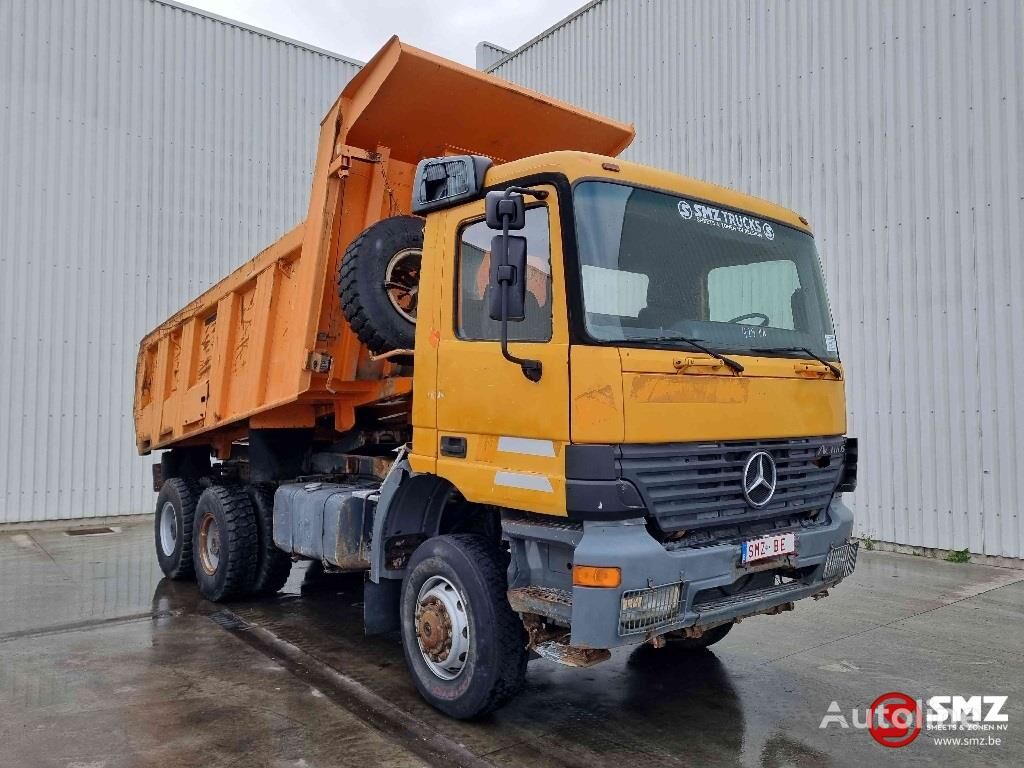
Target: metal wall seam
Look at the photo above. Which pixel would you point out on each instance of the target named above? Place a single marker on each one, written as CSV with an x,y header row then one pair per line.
x,y
148,149
896,128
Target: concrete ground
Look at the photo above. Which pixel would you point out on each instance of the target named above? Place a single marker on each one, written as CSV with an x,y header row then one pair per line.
x,y
103,664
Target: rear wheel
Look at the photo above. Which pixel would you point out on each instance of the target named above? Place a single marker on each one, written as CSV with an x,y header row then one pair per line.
x,y
172,527
272,565
711,636
463,643
224,543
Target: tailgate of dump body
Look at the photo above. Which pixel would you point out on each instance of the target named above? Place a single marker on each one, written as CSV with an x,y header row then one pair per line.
x,y
253,347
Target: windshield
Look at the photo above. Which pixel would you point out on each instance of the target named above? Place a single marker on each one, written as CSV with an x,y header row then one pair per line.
x,y
657,266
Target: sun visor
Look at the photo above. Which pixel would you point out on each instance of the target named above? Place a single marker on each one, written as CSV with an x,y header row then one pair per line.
x,y
420,105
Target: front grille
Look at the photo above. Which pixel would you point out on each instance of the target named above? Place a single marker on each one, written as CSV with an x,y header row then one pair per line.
x,y
643,609
841,561
698,485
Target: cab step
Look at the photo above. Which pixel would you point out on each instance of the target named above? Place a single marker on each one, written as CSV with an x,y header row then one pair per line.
x,y
571,656
549,602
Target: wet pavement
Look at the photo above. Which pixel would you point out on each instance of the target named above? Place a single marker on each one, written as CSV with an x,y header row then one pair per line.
x,y
104,664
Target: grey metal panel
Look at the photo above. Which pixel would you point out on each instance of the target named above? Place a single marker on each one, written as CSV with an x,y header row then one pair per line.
x,y
896,128
348,525
326,521
146,150
487,54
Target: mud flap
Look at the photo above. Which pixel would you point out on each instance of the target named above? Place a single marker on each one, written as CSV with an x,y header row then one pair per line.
x,y
381,606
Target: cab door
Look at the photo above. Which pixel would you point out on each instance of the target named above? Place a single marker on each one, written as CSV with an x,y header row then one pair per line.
x,y
501,436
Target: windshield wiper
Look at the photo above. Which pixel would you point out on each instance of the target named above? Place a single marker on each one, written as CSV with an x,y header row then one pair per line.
x,y
835,371
696,344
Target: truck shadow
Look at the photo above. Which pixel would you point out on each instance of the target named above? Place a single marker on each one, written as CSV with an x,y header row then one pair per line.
x,y
662,704
659,706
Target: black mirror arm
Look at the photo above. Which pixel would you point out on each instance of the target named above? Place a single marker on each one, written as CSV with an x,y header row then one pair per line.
x,y
532,369
540,194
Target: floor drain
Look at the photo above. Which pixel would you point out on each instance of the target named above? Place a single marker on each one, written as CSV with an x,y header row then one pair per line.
x,y
228,620
104,531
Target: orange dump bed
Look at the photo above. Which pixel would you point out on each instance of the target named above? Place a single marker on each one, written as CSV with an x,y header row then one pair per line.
x,y
268,346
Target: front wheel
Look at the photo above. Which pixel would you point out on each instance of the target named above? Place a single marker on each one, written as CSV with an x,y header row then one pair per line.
x,y
463,643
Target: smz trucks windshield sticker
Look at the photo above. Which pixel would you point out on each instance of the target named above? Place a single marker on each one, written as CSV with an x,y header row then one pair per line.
x,y
716,217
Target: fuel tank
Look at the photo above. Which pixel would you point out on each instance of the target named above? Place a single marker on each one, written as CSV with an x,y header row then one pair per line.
x,y
330,522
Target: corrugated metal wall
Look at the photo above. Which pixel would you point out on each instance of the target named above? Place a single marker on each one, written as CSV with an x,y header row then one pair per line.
x,y
897,128
145,151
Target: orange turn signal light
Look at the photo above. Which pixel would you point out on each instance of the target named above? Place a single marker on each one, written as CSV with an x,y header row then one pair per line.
x,y
596,576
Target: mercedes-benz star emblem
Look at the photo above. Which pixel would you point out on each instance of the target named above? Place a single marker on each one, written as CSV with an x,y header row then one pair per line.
x,y
759,479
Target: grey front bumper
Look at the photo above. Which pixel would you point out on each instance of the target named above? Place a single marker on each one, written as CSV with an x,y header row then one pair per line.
x,y
647,565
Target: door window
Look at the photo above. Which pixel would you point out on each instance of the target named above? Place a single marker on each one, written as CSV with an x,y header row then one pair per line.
x,y
472,320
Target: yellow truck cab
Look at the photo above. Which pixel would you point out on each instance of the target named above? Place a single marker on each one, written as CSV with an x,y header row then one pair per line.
x,y
554,403
675,462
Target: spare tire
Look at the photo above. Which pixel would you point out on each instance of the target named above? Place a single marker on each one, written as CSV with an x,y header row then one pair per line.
x,y
378,282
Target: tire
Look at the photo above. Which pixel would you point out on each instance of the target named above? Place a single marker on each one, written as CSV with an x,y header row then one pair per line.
x,y
272,565
224,543
710,637
172,527
395,243
494,667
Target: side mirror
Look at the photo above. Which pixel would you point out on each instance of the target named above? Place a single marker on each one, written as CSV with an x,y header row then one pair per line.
x,y
499,204
506,292
513,274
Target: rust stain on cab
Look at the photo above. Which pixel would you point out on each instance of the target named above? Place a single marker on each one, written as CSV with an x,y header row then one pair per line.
x,y
596,405
697,389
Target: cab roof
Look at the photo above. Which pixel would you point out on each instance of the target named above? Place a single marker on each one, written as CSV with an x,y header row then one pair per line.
x,y
584,165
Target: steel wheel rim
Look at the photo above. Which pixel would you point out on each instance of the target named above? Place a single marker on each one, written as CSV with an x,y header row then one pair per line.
x,y
402,282
442,628
168,529
209,544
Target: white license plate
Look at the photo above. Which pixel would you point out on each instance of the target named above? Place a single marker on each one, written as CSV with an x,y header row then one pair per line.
x,y
769,546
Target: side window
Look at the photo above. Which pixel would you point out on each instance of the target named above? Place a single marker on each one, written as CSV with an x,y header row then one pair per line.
x,y
762,287
472,320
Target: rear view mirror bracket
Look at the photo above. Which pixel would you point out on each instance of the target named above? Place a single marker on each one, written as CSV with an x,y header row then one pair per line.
x,y
507,210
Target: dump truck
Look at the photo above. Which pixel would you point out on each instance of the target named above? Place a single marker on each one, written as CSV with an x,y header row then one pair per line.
x,y
551,402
